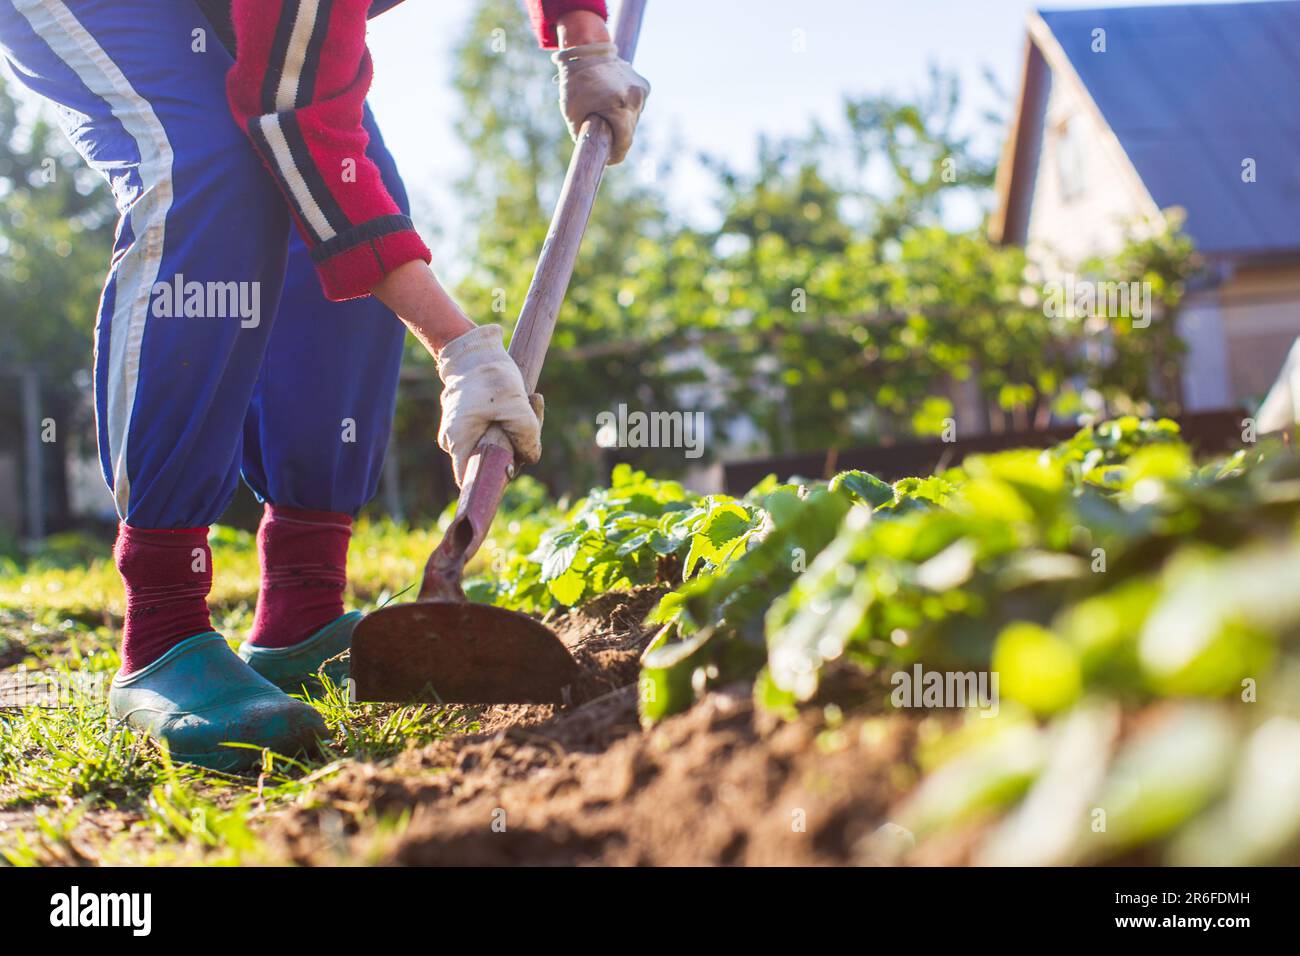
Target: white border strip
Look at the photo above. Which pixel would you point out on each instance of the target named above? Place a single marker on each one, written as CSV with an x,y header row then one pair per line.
x,y
137,269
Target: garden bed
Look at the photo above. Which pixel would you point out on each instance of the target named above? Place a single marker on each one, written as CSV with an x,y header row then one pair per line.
x,y
723,783
1089,654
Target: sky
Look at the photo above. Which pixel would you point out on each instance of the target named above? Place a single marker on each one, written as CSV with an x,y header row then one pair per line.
x,y
722,73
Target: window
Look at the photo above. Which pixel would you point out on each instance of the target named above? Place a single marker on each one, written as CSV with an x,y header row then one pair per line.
x,y
1068,150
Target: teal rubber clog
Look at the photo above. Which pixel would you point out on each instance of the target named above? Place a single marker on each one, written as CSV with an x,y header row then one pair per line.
x,y
294,668
200,695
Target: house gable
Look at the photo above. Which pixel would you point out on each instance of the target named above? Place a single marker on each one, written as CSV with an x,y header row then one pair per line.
x,y
1198,98
1066,188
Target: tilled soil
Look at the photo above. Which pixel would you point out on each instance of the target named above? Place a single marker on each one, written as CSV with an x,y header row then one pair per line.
x,y
723,783
720,784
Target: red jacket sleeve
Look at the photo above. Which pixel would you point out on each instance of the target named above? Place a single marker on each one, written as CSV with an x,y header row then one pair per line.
x,y
298,88
546,13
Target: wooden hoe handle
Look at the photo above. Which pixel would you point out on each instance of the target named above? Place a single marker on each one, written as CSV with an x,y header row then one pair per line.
x,y
492,464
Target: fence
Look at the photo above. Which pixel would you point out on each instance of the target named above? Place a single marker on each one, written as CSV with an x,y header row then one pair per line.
x,y
1209,433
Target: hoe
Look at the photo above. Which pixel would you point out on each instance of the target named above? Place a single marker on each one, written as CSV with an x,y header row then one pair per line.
x,y
441,647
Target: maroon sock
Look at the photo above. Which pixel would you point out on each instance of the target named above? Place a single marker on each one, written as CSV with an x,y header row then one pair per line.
x,y
304,558
167,575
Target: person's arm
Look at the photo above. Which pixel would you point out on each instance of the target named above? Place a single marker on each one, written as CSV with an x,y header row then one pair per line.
x,y
298,88
594,79
580,26
551,17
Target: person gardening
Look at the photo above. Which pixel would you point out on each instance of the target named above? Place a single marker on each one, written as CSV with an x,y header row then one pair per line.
x,y
252,171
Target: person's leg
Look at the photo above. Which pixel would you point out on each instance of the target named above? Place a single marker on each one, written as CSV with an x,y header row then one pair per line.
x,y
315,438
173,374
183,324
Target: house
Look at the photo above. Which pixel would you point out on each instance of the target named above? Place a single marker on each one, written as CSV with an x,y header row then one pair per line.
x,y
1124,112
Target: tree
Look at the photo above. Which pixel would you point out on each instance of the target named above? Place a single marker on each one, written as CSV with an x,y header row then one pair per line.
x,y
1141,369
56,233
56,228
864,306
832,304
519,150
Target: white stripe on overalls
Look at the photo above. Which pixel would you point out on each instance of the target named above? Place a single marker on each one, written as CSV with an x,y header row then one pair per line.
x,y
137,270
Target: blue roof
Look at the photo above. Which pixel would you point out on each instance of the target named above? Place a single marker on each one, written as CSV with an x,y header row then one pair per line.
x,y
1192,90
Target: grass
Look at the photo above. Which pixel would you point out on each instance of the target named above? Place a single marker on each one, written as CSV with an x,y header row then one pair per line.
x,y
384,557
75,788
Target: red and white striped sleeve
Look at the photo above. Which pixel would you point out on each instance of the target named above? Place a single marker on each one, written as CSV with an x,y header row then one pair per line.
x,y
298,89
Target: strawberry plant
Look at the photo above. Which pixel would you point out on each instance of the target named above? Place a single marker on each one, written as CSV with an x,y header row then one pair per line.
x,y
980,565
1109,574
637,531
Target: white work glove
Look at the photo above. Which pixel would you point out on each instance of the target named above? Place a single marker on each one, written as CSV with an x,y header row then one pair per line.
x,y
482,386
594,79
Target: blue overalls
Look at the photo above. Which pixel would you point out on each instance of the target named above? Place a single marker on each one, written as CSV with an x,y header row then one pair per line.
x,y
216,351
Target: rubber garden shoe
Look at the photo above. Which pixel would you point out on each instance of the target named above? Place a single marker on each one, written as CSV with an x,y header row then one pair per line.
x,y
294,668
200,696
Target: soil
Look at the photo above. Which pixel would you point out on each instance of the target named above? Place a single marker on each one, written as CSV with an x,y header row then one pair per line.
x,y
723,783
718,785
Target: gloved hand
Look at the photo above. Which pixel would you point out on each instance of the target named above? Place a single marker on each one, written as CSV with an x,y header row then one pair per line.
x,y
594,79
482,386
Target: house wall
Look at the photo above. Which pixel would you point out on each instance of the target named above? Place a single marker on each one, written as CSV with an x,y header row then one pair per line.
x,y
1260,316
1069,221
1237,334
1206,379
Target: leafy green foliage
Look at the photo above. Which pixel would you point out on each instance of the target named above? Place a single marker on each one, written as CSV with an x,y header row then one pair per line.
x,y
1063,569
638,531
1092,452
958,569
713,624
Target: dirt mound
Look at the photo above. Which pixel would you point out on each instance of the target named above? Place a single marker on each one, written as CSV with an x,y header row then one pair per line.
x,y
606,637
720,784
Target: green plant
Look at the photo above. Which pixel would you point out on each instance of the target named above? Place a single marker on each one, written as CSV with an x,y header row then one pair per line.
x,y
637,531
